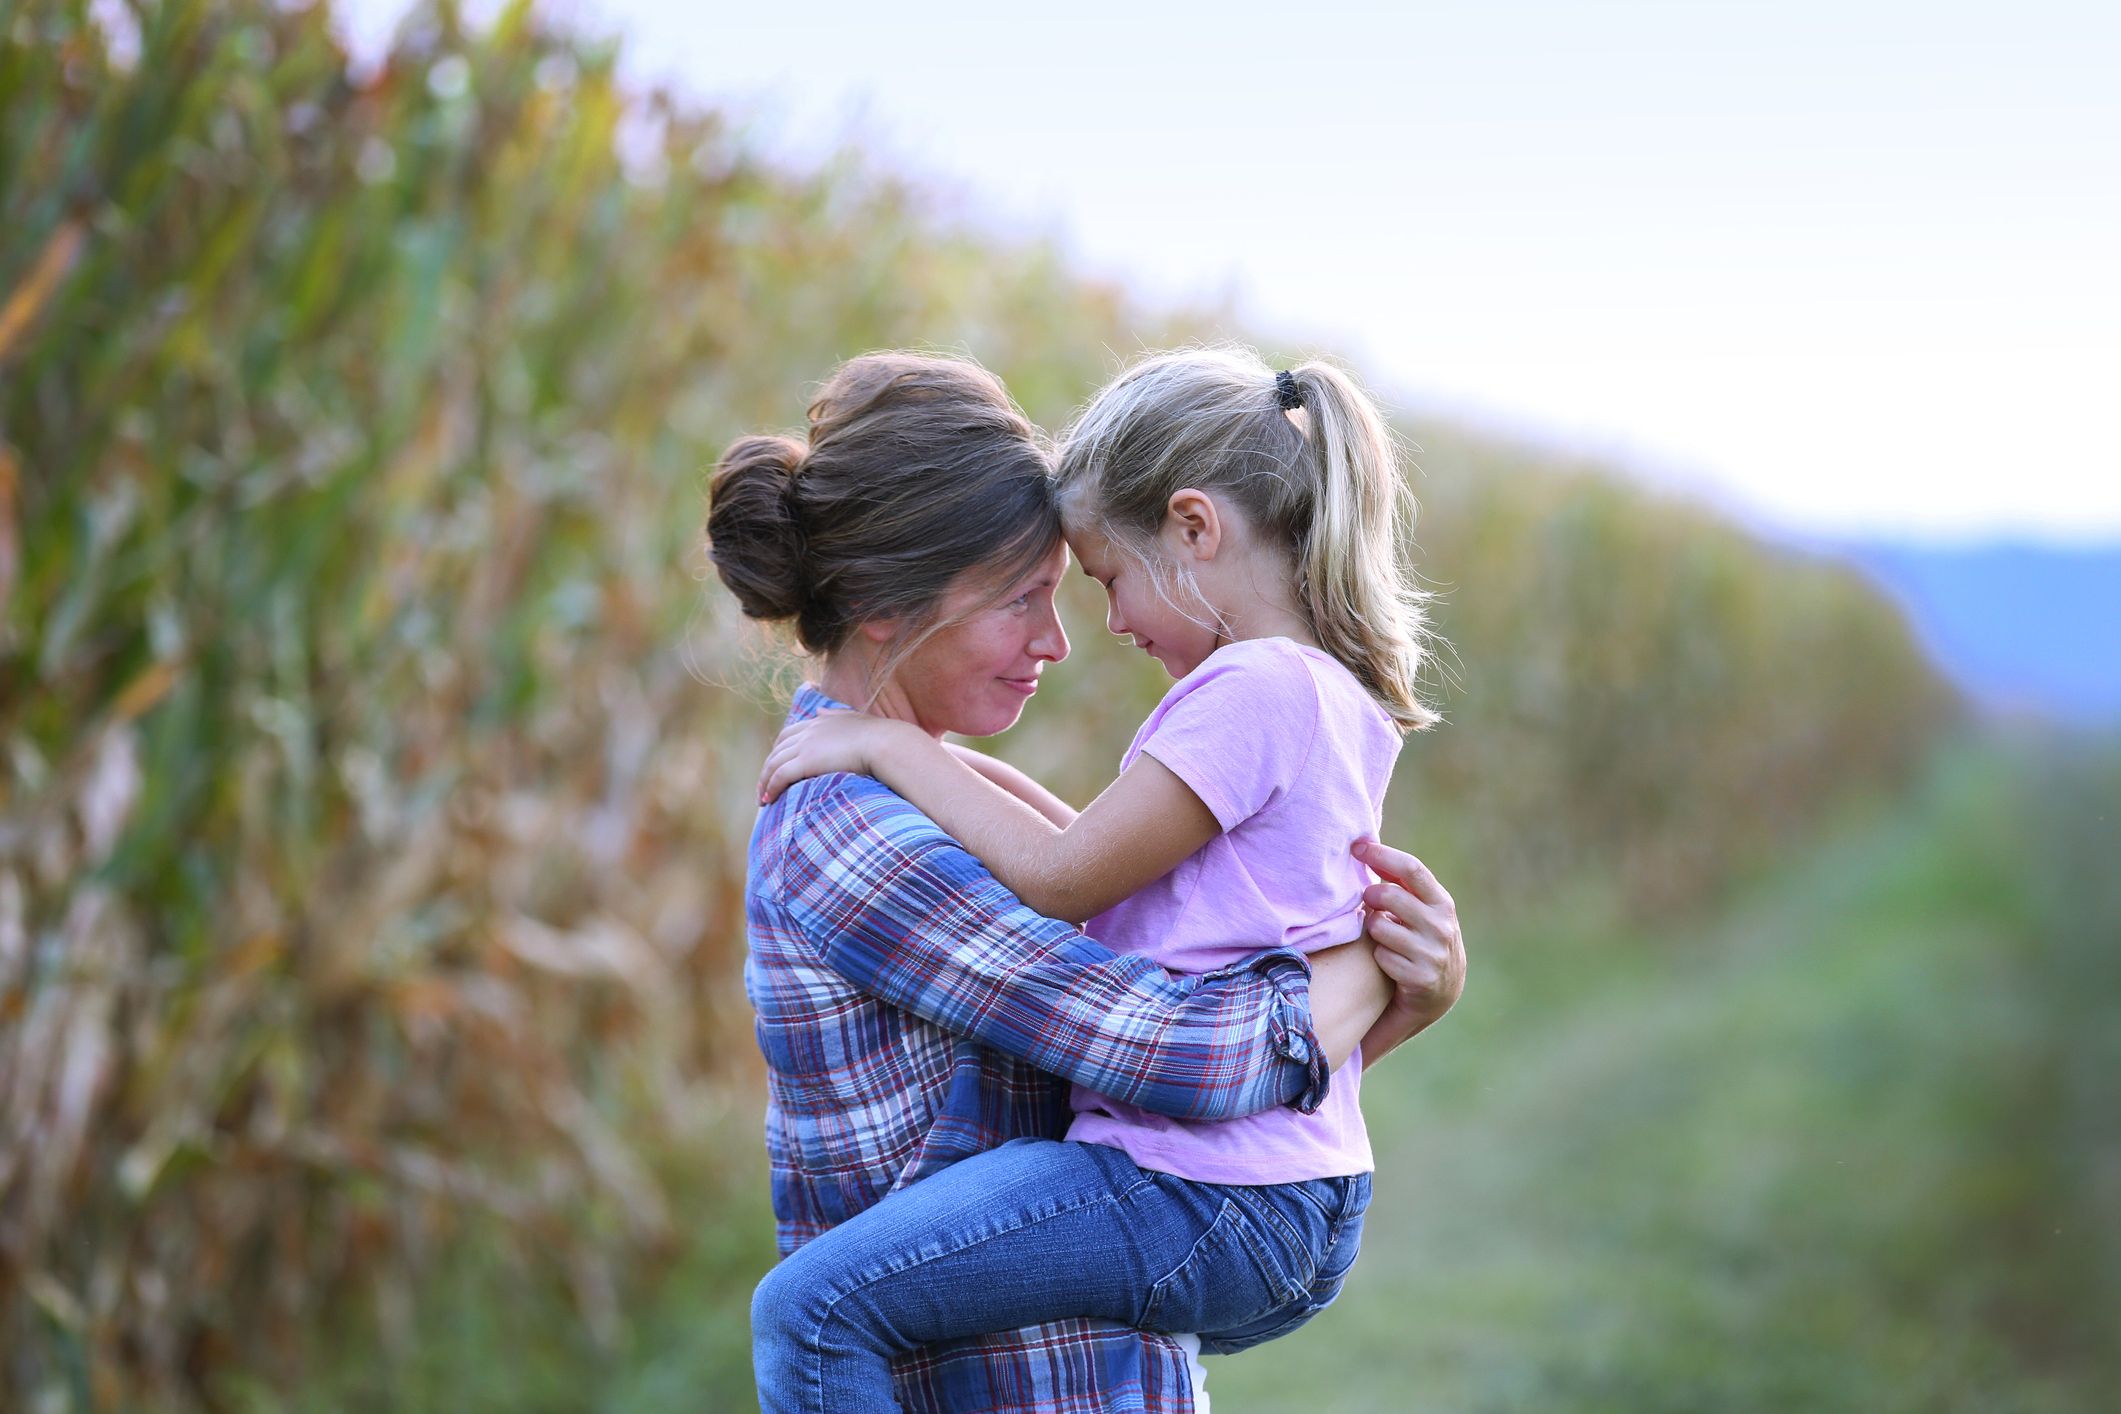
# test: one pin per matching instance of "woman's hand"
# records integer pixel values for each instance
(830, 741)
(1419, 946)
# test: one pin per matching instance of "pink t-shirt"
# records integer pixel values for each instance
(1292, 756)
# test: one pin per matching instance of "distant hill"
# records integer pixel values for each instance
(2020, 627)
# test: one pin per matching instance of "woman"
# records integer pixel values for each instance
(911, 1010)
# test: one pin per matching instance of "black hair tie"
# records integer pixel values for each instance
(1286, 392)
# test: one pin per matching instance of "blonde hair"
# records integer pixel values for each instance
(1321, 477)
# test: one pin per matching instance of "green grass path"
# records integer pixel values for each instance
(1842, 1148)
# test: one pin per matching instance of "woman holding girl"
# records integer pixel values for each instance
(923, 1020)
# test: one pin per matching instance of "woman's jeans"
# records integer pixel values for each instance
(1041, 1230)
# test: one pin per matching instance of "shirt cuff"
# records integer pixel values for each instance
(1290, 1021)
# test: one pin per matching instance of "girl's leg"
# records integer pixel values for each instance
(1036, 1230)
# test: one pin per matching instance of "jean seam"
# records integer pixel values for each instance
(1257, 1243)
(1152, 1302)
(1303, 1191)
(1293, 1240)
(1342, 1214)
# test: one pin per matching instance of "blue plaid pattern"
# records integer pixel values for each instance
(912, 1012)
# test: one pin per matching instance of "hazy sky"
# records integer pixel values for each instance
(1849, 265)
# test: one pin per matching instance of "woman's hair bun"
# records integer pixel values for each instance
(916, 469)
(753, 536)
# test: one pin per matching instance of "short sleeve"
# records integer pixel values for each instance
(1239, 728)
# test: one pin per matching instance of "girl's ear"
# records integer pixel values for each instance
(1193, 524)
(878, 630)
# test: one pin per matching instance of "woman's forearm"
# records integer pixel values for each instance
(1420, 946)
(1350, 995)
(1396, 1024)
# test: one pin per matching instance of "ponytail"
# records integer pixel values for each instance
(1306, 456)
(1351, 558)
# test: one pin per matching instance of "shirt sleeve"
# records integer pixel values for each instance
(1239, 729)
(899, 909)
(1064, 1365)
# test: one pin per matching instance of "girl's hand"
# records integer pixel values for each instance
(830, 741)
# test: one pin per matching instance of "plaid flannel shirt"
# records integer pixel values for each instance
(913, 1011)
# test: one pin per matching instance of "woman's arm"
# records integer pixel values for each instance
(1135, 833)
(1350, 994)
(1023, 787)
(1402, 976)
(1419, 946)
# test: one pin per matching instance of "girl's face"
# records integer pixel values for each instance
(975, 676)
(1140, 609)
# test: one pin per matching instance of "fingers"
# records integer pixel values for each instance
(1412, 960)
(1391, 898)
(1410, 976)
(1438, 920)
(1408, 941)
(780, 771)
(798, 753)
(1403, 868)
(775, 777)
(1430, 973)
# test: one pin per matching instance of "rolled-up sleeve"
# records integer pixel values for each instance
(900, 910)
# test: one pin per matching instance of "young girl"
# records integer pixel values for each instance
(1245, 526)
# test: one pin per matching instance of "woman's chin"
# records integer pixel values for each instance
(992, 718)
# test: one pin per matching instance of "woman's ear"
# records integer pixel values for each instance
(1193, 524)
(879, 631)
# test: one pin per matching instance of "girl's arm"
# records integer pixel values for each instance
(1135, 833)
(1023, 787)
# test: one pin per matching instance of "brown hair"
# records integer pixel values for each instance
(1307, 458)
(917, 468)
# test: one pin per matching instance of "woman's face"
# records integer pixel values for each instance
(975, 676)
(1138, 608)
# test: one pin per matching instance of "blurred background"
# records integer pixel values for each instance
(376, 757)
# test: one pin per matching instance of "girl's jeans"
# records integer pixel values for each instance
(1040, 1230)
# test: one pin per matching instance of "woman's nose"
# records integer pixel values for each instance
(1113, 622)
(1051, 640)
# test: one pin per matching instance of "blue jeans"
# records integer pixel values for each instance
(1041, 1230)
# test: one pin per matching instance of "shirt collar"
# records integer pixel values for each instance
(811, 700)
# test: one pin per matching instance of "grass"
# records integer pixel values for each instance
(1835, 1149)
